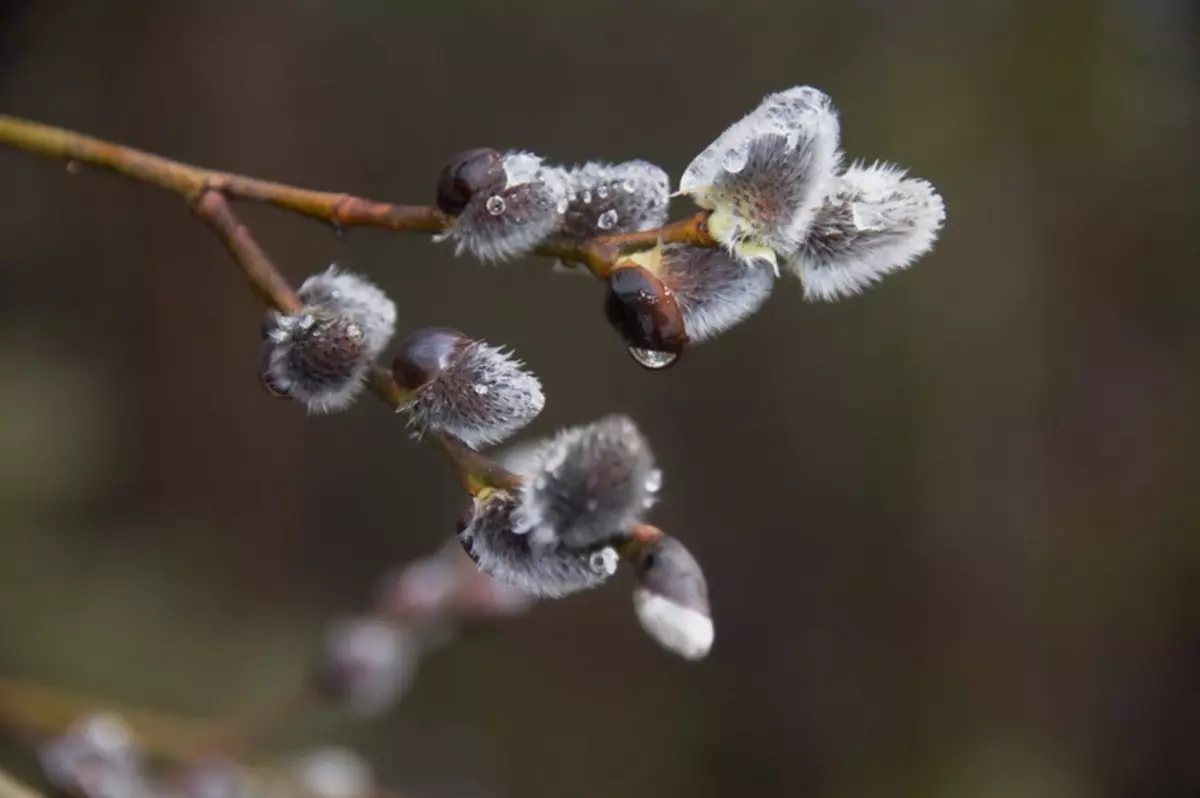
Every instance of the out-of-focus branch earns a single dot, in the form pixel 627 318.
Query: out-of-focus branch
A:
pixel 11 788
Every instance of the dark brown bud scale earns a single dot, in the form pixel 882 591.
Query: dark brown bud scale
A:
pixel 465 175
pixel 643 310
pixel 425 354
pixel 328 348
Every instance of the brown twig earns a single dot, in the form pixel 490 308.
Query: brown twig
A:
pixel 340 210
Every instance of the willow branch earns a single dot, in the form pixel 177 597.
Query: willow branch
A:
pixel 340 210
pixel 11 788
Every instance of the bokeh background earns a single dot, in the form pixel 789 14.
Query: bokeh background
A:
pixel 951 527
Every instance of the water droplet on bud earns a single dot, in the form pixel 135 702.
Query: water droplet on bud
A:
pixel 586 196
pixel 602 191
pixel 562 205
pixel 652 359
pixel 495 205
pixel 654 480
pixel 735 159
pixel 607 220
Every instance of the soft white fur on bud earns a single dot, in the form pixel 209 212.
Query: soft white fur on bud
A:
pixel 482 397
pixel 356 298
pixel 619 198
pixel 671 599
pixel 873 221
pixel 714 291
pixel 513 218
pixel 765 176
pixel 588 484
pixel 96 757
pixel 320 354
pixel 547 569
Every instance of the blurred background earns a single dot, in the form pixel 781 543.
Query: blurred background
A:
pixel 950 526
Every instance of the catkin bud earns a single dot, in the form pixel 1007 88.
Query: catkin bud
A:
pixel 465 388
pixel 645 314
pixel 712 290
pixel 320 354
pixel 505 204
pixel 671 598
pixel 765 176
pixel 588 485
pixel 95 758
pixel 367 663
pixel 544 569
pixel 620 198
pixel 873 221
pixel 333 773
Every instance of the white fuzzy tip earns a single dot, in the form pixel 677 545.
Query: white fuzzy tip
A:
pixel 620 198
pixel 765 176
pixel 874 221
pixel 675 627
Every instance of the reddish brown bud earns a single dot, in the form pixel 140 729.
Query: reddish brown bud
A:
pixel 644 311
pixel 425 354
pixel 466 174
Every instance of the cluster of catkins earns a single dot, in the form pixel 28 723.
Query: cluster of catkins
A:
pixel 778 199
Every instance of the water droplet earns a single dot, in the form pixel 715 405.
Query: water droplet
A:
pixel 562 205
pixel 607 220
pixel 629 186
pixel 602 191
pixel 73 167
pixel 735 159
pixel 651 358
pixel 481 390
pixel 495 205
pixel 654 480
pixel 586 196
pixel 604 561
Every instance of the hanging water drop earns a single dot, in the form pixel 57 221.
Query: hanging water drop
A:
pixel 735 159
pixel 495 205
pixel 607 220
pixel 652 358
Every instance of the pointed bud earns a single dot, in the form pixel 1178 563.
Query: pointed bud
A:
pixel 505 208
pixel 333 773
pixel 588 485
pixel 874 221
pixel 645 313
pixel 622 198
pixel 547 570
pixel 765 176
pixel 712 290
pixel 320 354
pixel 671 598
pixel 366 663
pixel 465 388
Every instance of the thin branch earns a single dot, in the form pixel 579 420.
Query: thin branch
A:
pixel 340 210
pixel 11 788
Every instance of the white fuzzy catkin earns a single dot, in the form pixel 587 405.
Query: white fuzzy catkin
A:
pixel 764 177
pixel 873 221
pixel 510 220
pixel 367 663
pixel 671 599
pixel 320 354
pixel 481 398
pixel 333 773
pixel 614 198
pixel 713 290
pixel 589 484
pixel 543 569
